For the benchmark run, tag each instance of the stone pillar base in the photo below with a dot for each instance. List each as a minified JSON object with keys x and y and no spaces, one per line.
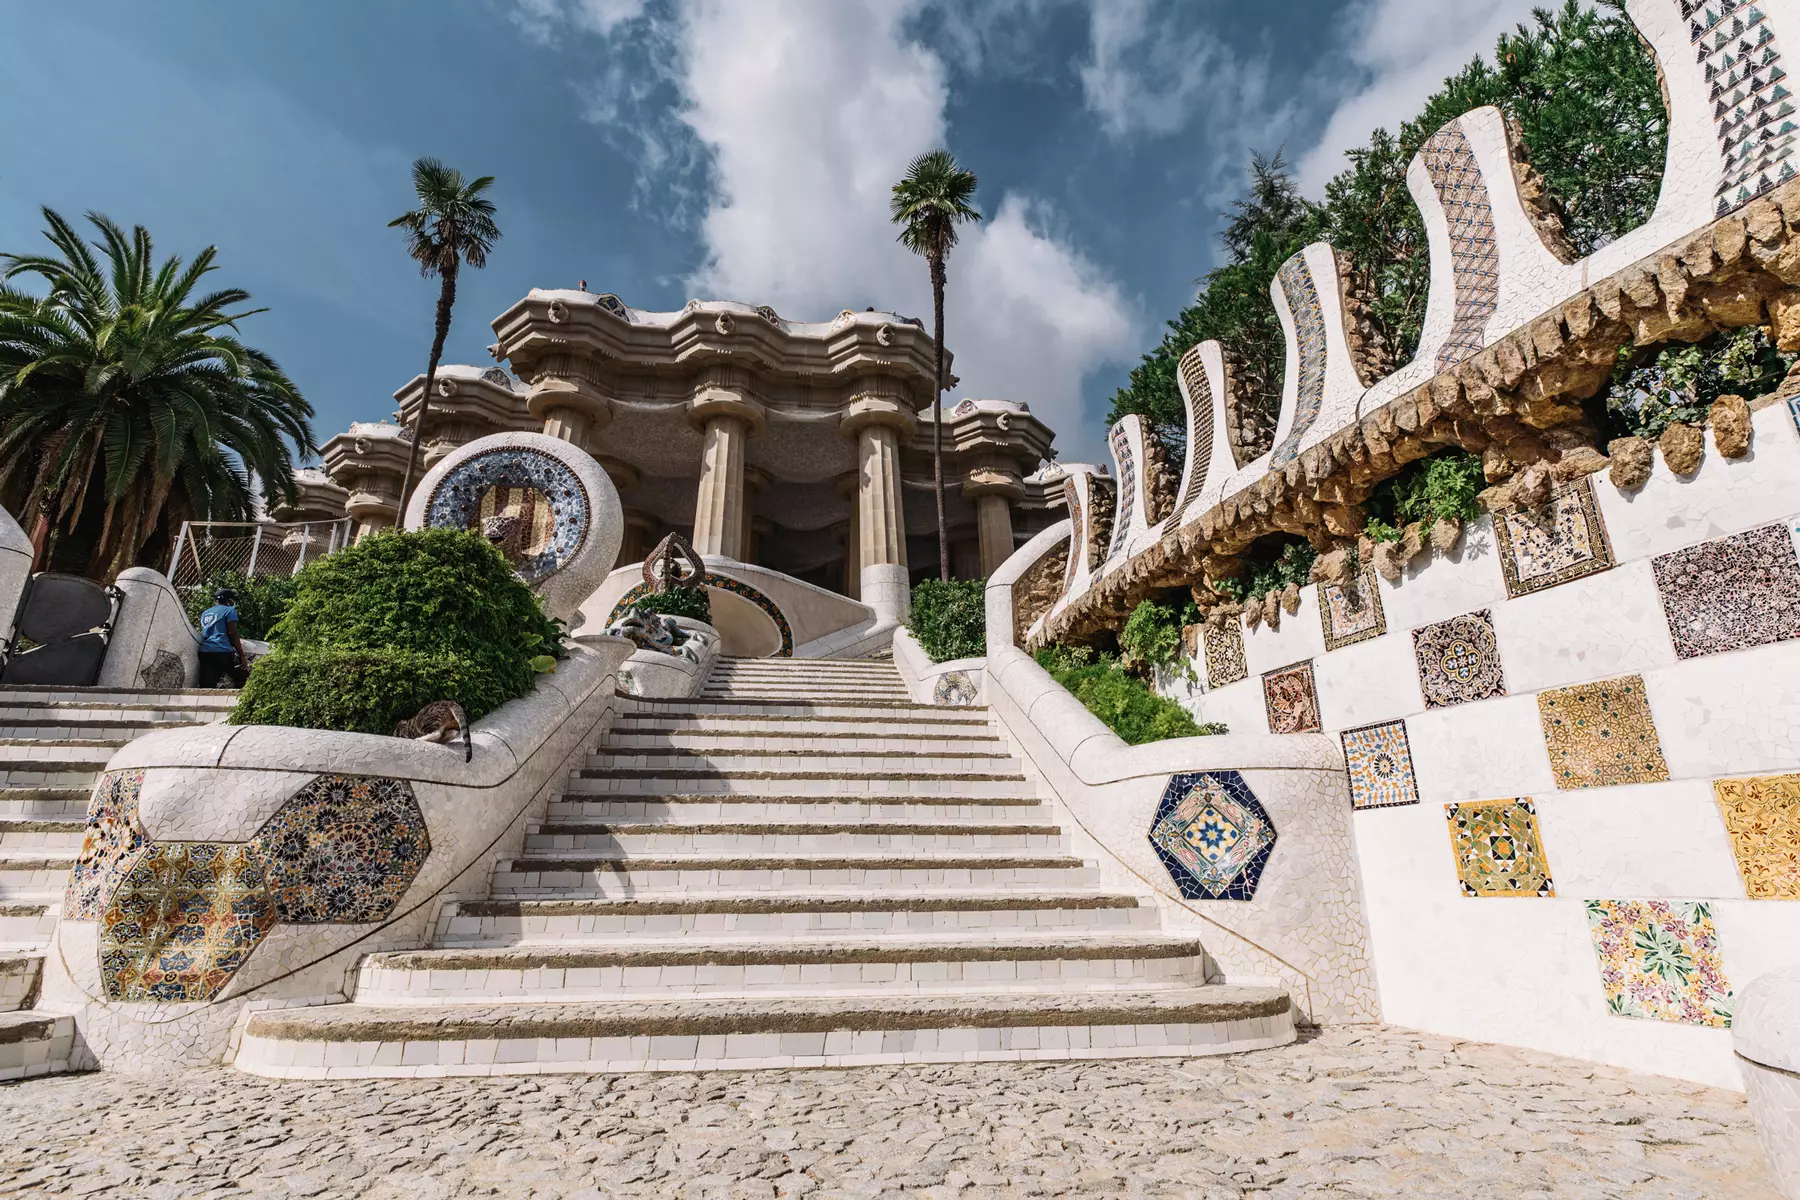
{"x":887,"y":589}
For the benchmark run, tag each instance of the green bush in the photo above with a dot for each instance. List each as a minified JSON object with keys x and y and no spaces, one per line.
{"x":1652,"y":390}
{"x":440,"y":608}
{"x":1152,"y":635}
{"x":1120,"y":699}
{"x":1442,"y":487}
{"x":690,"y":602}
{"x":950,"y":618}
{"x":1271,"y":564}
{"x":260,"y":602}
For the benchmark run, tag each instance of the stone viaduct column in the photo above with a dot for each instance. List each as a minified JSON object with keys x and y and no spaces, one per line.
{"x":880,"y":425}
{"x":994,"y":492}
{"x":571,"y":407}
{"x":847,"y":486}
{"x":754,"y":482}
{"x":726,"y":422}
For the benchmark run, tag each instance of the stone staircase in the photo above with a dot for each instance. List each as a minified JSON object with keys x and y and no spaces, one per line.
{"x":53,"y":742}
{"x":798,"y":867}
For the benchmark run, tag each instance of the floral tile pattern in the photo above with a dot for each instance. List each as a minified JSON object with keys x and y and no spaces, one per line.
{"x":1601,"y":734}
{"x":343,"y":850}
{"x":1224,"y":655}
{"x":1474,"y":255}
{"x":545,"y":487}
{"x":1351,"y":612}
{"x":1566,"y":539}
{"x":1213,"y":835}
{"x":1292,"y":701}
{"x":1659,"y":961}
{"x":1302,"y":294}
{"x":184,"y":920}
{"x":110,"y":847}
{"x":1200,"y":416}
{"x":1458,"y":660}
{"x":1498,"y":850}
{"x":1730,"y":594}
{"x":1762,"y":817}
{"x":1379,"y":760}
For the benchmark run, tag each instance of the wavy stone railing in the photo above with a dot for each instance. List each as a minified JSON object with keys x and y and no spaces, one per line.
{"x":1516,"y":332}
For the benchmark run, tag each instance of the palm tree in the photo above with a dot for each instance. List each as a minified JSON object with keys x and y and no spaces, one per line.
{"x":128,"y":404}
{"x":928,"y":205}
{"x":453,"y":225}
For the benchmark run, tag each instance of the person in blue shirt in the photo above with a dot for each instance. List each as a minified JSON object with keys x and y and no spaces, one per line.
{"x":221,"y":653}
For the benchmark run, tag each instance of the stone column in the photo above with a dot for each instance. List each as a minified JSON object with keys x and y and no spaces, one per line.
{"x":879,"y":426}
{"x":754,"y":482}
{"x":726,"y":422}
{"x":639,"y":537}
{"x":847,"y":486}
{"x":993,"y":491}
{"x":570,"y":406}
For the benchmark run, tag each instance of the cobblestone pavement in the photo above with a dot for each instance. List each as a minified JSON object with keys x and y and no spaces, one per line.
{"x":1350,"y":1112}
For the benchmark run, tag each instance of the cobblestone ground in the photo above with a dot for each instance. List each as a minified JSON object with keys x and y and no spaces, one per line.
{"x":1350,"y":1112}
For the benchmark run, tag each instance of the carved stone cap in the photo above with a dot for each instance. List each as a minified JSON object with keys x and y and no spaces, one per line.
{"x":987,"y":481}
{"x":553,"y":392}
{"x":878,"y":410}
{"x":711,"y":402}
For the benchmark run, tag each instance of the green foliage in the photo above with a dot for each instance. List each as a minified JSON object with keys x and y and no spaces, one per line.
{"x":1584,"y":91}
{"x":1270,"y":565}
{"x":260,"y":602}
{"x":1442,"y":487}
{"x":690,"y":602}
{"x":949,"y":617}
{"x":1152,"y":635}
{"x":441,"y":606}
{"x":1651,"y":390}
{"x":1120,"y":699}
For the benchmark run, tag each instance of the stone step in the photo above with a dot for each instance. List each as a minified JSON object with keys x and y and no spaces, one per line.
{"x":806,"y":666}
{"x":46,"y":804}
{"x":112,"y":733}
{"x":656,"y":840}
{"x":15,"y":777}
{"x":41,"y":833}
{"x":28,"y":922}
{"x":34,"y":1043}
{"x":812,"y":761}
{"x":872,"y":787}
{"x":650,"y":809}
{"x":215,"y":700}
{"x":699,"y":965}
{"x":71,"y":752}
{"x":33,"y":874}
{"x":902,"y":725}
{"x":845,"y":741}
{"x":802,"y":692}
{"x":594,"y":875}
{"x":765,"y":708}
{"x":363,"y":1041}
{"x":788,"y":914}
{"x":20,"y":973}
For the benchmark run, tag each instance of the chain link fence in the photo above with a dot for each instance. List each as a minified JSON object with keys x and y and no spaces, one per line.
{"x":205,"y":548}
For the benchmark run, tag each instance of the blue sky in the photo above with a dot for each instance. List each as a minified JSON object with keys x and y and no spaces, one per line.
{"x":735,"y":149}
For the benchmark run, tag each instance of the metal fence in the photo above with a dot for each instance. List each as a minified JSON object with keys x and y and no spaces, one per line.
{"x":205,"y":548}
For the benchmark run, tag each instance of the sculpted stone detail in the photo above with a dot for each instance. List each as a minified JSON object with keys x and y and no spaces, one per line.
{"x":673,"y":563}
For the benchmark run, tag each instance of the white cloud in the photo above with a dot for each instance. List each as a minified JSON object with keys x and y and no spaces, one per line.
{"x":1405,"y":49}
{"x":1148,"y":74}
{"x":540,"y":19}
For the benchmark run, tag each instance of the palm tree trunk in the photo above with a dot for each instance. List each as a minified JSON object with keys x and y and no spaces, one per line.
{"x":938,"y":278}
{"x":446,"y":302}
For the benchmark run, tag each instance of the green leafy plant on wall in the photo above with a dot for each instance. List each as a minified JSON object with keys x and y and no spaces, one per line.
{"x":690,"y":602}
{"x":380,"y":629}
{"x":1120,"y":699}
{"x":1652,"y":389}
{"x":260,"y":602}
{"x":949,"y":618}
{"x":1270,"y":565}
{"x":1442,"y":487}
{"x":1152,"y":636}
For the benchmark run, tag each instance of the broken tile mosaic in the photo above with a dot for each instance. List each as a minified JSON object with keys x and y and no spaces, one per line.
{"x":109,"y":848}
{"x":1302,"y":294}
{"x":1214,"y":837}
{"x":184,"y":920}
{"x":343,"y":850}
{"x":1732,"y":593}
{"x":1224,"y":654}
{"x":1762,"y":818}
{"x":1351,"y":612}
{"x":1474,"y":255}
{"x":1292,"y":702}
{"x":1458,"y":660}
{"x":1601,"y":734}
{"x":1379,"y":761}
{"x":1564,"y":540}
{"x":1498,"y":850}
{"x":1659,"y":961}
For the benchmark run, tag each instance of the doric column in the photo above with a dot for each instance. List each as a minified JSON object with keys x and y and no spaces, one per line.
{"x":639,"y":537}
{"x":726,"y":422}
{"x":754,"y":482}
{"x":994,"y":492}
{"x":879,"y":425}
{"x":847,"y":486}
{"x":569,"y":404}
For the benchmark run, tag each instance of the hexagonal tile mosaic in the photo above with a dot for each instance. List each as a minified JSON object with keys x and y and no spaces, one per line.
{"x":1214,"y":837}
{"x":1224,"y":654}
{"x":1498,"y":850}
{"x":1458,"y":660}
{"x":110,"y":846}
{"x":1292,"y":701}
{"x":343,"y":850}
{"x":1762,"y":818}
{"x":1351,"y":612}
{"x":1379,"y":760}
{"x":1659,"y":961}
{"x":1601,"y":734}
{"x":1566,"y":539}
{"x":1731,"y":593}
{"x":183,"y":920}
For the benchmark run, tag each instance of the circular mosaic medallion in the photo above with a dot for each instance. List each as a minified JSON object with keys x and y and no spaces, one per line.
{"x":537,"y":503}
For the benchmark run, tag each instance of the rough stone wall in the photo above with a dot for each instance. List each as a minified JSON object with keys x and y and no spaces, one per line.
{"x":1161,"y":482}
{"x":1103,"y":505}
{"x":1370,"y":352}
{"x":1037,"y":589}
{"x":1249,"y":428}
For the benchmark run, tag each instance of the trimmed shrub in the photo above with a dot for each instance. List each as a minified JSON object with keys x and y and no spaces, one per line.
{"x":950,"y":618}
{"x":690,"y":602}
{"x":1120,"y":699}
{"x":260,"y":602}
{"x":440,"y":608}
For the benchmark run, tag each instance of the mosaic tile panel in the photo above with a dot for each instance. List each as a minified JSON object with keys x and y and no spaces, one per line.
{"x":1458,"y":660}
{"x":1121,"y":448}
{"x":1731,"y":594}
{"x":184,"y":920}
{"x":613,"y":305}
{"x":1659,"y":961}
{"x":1292,"y":700}
{"x":1474,"y":255}
{"x":1302,"y":295}
{"x":1542,"y":547}
{"x":723,"y":583}
{"x":1753,"y":108}
{"x":1379,"y":760}
{"x":1601,"y":734}
{"x":1077,"y":530}
{"x":1214,"y":837}
{"x":109,"y":848}
{"x":954,"y":689}
{"x":1497,"y":848}
{"x":1351,"y":612}
{"x":1793,"y":406}
{"x":466,"y":495}
{"x":1762,"y":818}
{"x":1200,"y":413}
{"x":1224,"y":655}
{"x":343,"y":850}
